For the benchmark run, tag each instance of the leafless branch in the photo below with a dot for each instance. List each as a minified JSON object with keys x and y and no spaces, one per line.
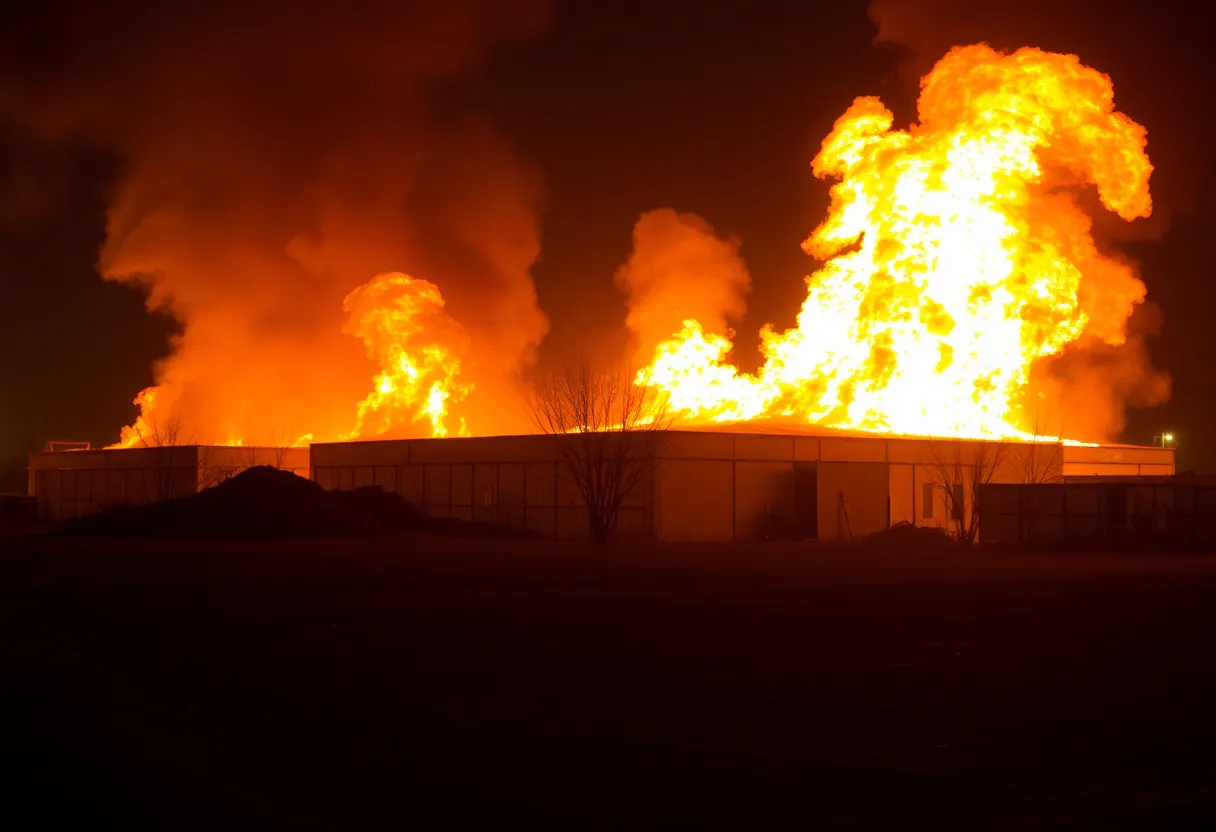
{"x":171,"y":469}
{"x":281,"y":444}
{"x":1043,"y":461}
{"x":959,"y":469}
{"x":608,"y":433}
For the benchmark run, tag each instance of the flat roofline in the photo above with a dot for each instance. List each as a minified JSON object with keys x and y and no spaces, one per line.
{"x":749,"y":429}
{"x":67,"y":451}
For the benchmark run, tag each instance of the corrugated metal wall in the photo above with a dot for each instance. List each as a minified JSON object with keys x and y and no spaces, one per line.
{"x":1095,"y":513}
{"x":73,"y":483}
{"x":709,"y":486}
{"x":536,"y":496}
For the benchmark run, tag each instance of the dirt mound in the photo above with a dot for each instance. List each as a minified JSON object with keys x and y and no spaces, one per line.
{"x":911,"y":536}
{"x":264,"y":502}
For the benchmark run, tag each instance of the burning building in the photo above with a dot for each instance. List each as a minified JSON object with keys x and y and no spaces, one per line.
{"x":965,"y":323}
{"x":733,"y":484}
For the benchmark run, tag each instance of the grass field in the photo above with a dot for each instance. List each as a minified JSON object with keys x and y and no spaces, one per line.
{"x":444,"y":684}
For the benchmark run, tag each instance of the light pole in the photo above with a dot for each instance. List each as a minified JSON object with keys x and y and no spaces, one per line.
{"x":1164,"y":438}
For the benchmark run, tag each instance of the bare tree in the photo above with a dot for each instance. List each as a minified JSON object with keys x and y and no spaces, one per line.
{"x":608,"y":433}
{"x":171,"y":469}
{"x":959,"y":469}
{"x":1043,"y":459}
{"x":281,"y":445}
{"x":179,"y":465}
{"x":212,"y":472}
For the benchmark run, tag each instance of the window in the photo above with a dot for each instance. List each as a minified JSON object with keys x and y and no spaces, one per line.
{"x":956,"y":502}
{"x":926,"y":501}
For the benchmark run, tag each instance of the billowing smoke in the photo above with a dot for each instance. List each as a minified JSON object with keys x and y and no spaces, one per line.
{"x":274,"y":158}
{"x":679,"y":270}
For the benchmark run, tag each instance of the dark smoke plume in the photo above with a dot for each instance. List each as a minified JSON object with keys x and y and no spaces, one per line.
{"x":274,"y":157}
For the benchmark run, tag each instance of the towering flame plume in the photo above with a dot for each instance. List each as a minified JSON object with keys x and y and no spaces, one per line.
{"x":957,"y":258}
{"x":418,"y":346}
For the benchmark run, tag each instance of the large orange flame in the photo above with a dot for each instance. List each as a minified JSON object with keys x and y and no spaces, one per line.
{"x":418,"y":346}
{"x":956,"y":256}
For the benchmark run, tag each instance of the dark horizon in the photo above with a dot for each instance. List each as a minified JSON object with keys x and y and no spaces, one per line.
{"x":715,"y":111}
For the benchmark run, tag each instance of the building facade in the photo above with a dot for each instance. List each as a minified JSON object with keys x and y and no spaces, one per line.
{"x":75,"y":482}
{"x":721,"y":485}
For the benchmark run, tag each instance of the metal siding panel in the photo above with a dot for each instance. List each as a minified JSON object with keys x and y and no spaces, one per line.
{"x":836,"y":449}
{"x":695,"y":500}
{"x":766,"y":448}
{"x":438,"y":486}
{"x":327,"y":478}
{"x":568,"y":493}
{"x":806,"y":449}
{"x":540,"y":483}
{"x":909,"y":451}
{"x":511,"y":484}
{"x":485,"y":484}
{"x":337,"y":454}
{"x":853,"y":499}
{"x":764,"y":493}
{"x":697,"y":445}
{"x":1081,"y":499}
{"x":1110,"y":455}
{"x":1084,"y":469}
{"x":116,"y":486}
{"x":900,"y":488}
{"x":386,"y":477}
{"x":67,"y":488}
{"x":462,"y":485}
{"x":410,"y":483}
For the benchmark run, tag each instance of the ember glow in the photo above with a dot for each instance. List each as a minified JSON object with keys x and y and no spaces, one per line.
{"x":956,"y":257}
{"x":418,"y":346}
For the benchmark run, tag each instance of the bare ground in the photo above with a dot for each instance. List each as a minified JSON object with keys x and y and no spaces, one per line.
{"x":461,"y":684}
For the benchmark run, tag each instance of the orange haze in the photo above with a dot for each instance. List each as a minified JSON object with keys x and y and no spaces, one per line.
{"x":273,"y":158}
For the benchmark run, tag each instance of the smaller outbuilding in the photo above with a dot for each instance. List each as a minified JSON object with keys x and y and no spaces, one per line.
{"x":79,"y":481}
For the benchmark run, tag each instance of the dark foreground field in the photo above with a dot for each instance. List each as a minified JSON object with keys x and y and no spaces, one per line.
{"x":490,"y":683}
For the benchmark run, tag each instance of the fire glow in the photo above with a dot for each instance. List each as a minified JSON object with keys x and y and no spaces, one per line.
{"x":955,"y":257}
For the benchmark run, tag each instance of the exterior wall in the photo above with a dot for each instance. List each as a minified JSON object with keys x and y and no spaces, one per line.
{"x":901,"y":488}
{"x":1118,"y":461}
{"x":764,"y":494}
{"x":218,"y":462}
{"x":1100,"y":512}
{"x":512,"y":481}
{"x":72,"y":483}
{"x":713,"y":485}
{"x":853,"y":499}
{"x":695,"y":500}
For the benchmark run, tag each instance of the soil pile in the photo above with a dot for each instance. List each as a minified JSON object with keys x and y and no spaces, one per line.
{"x":909,"y":536}
{"x":264,"y":502}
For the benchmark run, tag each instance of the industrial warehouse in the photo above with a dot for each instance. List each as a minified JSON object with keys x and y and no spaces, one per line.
{"x":707,"y":485}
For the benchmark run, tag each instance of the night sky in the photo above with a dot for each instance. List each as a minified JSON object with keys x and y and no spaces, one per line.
{"x":618,"y":108}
